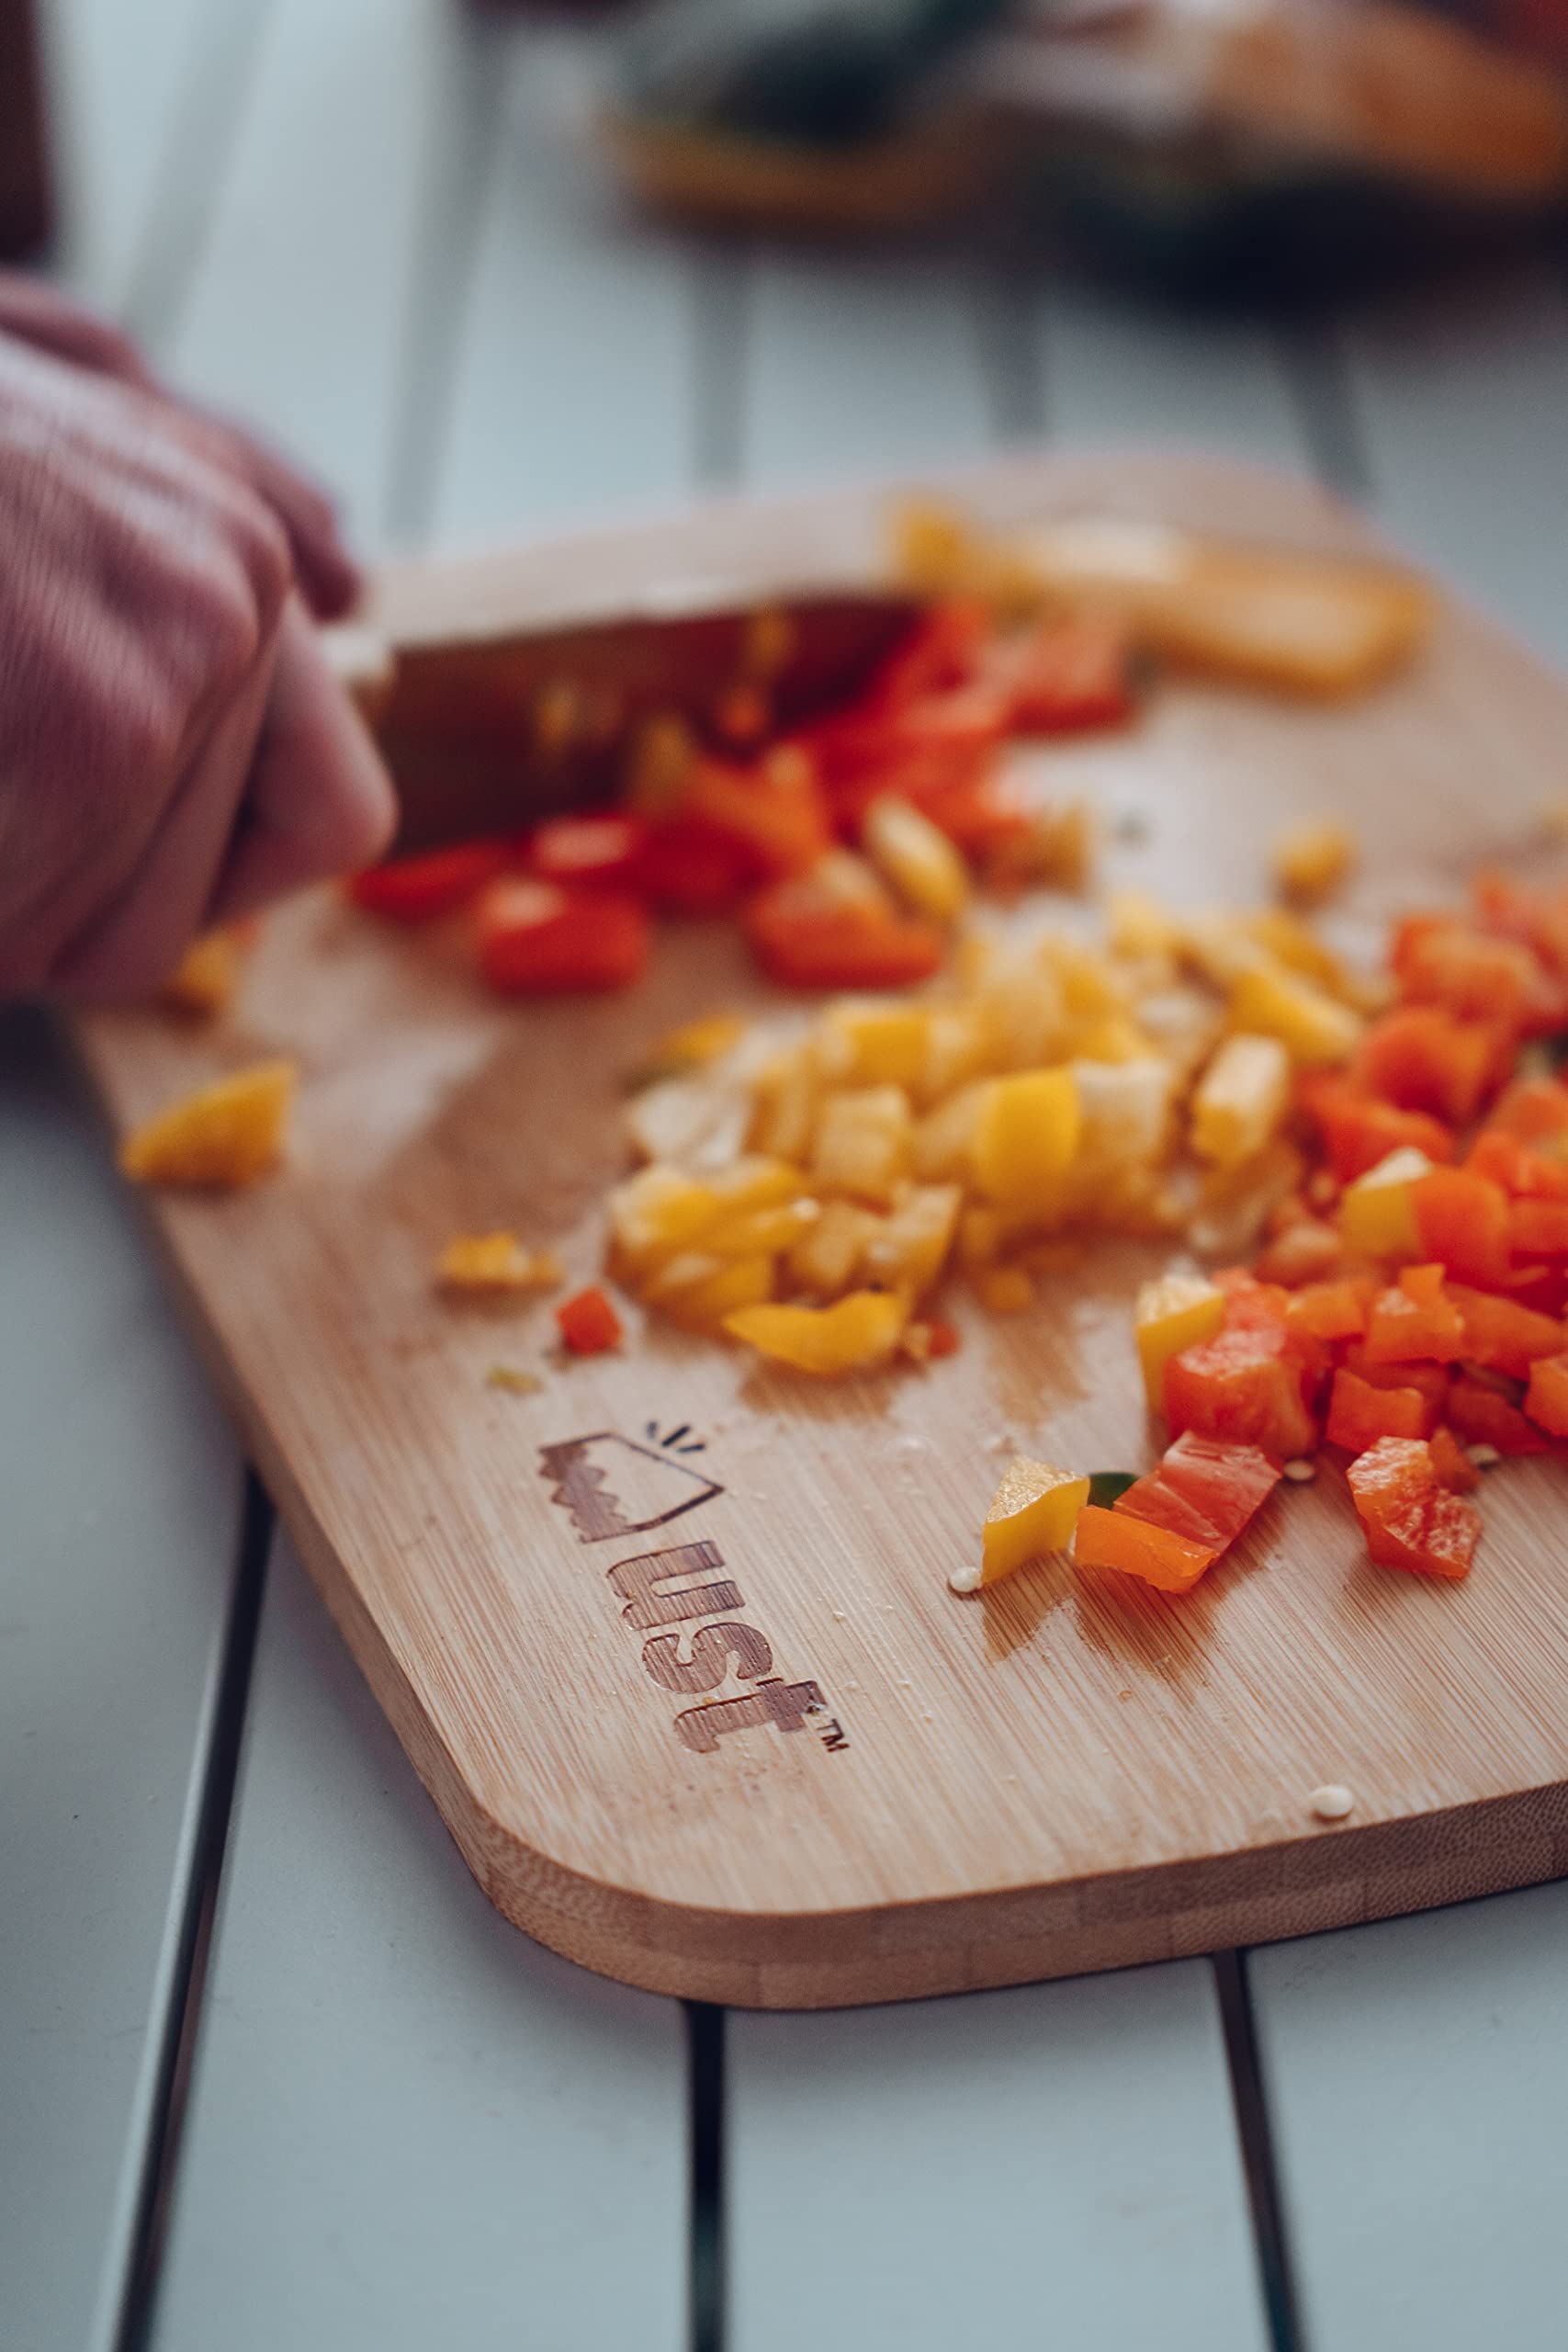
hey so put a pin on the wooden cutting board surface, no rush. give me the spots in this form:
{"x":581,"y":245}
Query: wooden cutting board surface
{"x":903,"y":1793}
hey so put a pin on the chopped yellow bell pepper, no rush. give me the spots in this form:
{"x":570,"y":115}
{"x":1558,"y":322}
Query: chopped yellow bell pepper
{"x":860,"y":1331}
{"x":825,"y":1259}
{"x":1377,"y":1213}
{"x":1312,"y":860}
{"x":911,"y":1247}
{"x":1241,"y":1098}
{"x":1314,"y":1029}
{"x":1026,"y":1136}
{"x":220,"y":1137}
{"x":699,"y":1290}
{"x":874,"y":1045}
{"x":1004,"y":1290}
{"x":1034,"y":1510}
{"x":917,"y":858}
{"x":656,"y":1212}
{"x":494,"y":1261}
{"x":1178,"y":1311}
{"x":207,"y":976}
{"x":862,"y":1139}
{"x":696,"y":1042}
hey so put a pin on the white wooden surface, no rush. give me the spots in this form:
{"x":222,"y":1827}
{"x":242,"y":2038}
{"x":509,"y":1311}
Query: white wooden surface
{"x":119,"y":1496}
{"x":1417,"y":2082}
{"x":1053,"y":2166}
{"x":361,"y":221}
{"x":407,"y":2126}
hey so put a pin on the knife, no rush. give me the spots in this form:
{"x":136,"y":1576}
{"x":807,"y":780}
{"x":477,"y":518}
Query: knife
{"x":487,"y":733}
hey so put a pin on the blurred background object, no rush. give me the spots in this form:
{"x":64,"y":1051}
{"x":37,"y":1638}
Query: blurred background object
{"x":25,"y":209}
{"x":1241,"y":144}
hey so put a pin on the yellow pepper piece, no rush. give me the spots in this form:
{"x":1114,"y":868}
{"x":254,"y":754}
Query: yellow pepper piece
{"x":1027,"y":1133}
{"x":911,"y":1249}
{"x":1312,"y":860}
{"x":696,"y":1042}
{"x":827,"y":1256}
{"x":656,"y":1212}
{"x":1004,"y":1290}
{"x":862,"y":1139}
{"x":1377,"y":1213}
{"x":876,"y":1045}
{"x":494,"y":1261}
{"x":1310,"y":1026}
{"x":1178,"y":1311}
{"x":222,"y":1137}
{"x":700,"y":1294}
{"x":206,"y":977}
{"x":917,"y":858}
{"x":861,"y":1331}
{"x":1241,"y":1099}
{"x":1034,"y":1510}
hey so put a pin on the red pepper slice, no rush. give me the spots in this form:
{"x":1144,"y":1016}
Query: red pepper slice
{"x":416,"y":889}
{"x":588,"y":1324}
{"x":535,"y":939}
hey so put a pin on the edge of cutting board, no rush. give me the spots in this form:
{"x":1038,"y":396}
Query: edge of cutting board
{"x":662,"y":1919}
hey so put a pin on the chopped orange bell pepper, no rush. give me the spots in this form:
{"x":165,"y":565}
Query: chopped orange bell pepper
{"x":1244,"y":1389}
{"x":1116,"y":1539}
{"x":1411,"y":1519}
{"x":1483,"y":1416}
{"x":1360,"y":1132}
{"x":1502,"y":1335}
{"x":1414,"y":1321}
{"x":806,"y":940}
{"x":1462,"y":1220}
{"x":1539,"y":1229}
{"x":588,"y":1323}
{"x":1536,"y":1110}
{"x":416,"y":889}
{"x":773,"y":815}
{"x":1419,"y":1058}
{"x":1441,"y":961}
{"x":535,"y":939}
{"x":1452,"y":1463}
{"x":1430,"y":1380}
{"x":1546,"y":1401}
{"x":1332,"y":1310}
{"x":1358,"y":1414}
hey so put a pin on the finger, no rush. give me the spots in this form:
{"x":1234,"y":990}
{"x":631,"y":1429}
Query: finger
{"x":36,"y":315}
{"x":131,"y":948}
{"x":319,"y":802}
{"x":327,"y":576}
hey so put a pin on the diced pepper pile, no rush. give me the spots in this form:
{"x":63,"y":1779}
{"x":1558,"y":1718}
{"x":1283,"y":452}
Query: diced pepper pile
{"x":846,"y":847}
{"x":1404,"y":1171}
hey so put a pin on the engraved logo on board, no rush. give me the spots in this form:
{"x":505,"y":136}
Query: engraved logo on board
{"x":613,"y":1485}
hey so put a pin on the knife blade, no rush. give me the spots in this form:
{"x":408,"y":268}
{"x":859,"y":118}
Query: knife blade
{"x":487,"y":734}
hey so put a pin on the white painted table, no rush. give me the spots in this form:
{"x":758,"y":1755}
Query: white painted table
{"x":273,"y":2076}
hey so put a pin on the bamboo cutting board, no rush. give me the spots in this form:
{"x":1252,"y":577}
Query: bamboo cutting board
{"x":876,"y":1790}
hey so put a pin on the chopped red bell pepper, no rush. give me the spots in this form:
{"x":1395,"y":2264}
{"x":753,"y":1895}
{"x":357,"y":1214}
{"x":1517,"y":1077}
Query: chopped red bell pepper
{"x":1331,"y":1310}
{"x":588,"y":1323}
{"x":688,"y":869}
{"x":416,"y":889}
{"x":598,"y":852}
{"x":1063,"y":677}
{"x":941,"y":650}
{"x":1432,"y":1380}
{"x":535,"y":939}
{"x":1442,"y":961}
{"x":1410,"y":1519}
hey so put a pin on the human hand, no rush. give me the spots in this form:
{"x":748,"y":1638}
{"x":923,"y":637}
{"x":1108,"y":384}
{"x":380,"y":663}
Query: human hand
{"x":173,"y":749}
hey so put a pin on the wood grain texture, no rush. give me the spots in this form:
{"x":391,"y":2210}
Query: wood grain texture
{"x":1066,"y":1776}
